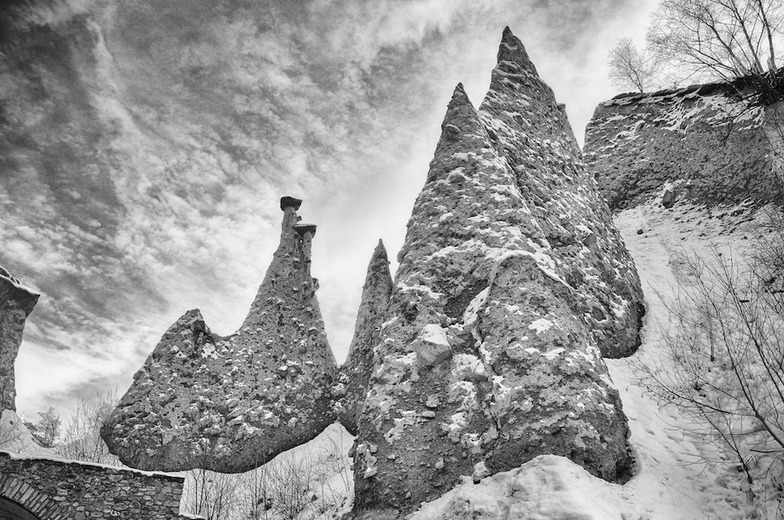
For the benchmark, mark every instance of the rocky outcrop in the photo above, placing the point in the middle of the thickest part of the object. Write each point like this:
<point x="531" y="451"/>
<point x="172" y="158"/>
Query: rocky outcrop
<point x="16" y="304"/>
<point x="355" y="373"/>
<point x="704" y="143"/>
<point x="231" y="403"/>
<point x="511" y="279"/>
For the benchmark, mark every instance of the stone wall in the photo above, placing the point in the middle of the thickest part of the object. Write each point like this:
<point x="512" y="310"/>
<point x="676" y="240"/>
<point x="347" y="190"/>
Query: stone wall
<point x="710" y="143"/>
<point x="57" y="490"/>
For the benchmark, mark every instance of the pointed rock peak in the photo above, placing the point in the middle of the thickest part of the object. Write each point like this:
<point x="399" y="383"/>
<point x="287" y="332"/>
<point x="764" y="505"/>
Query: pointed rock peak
<point x="512" y="51"/>
<point x="461" y="116"/>
<point x="356" y="372"/>
<point x="459" y="98"/>
<point x="379" y="253"/>
<point x="379" y="265"/>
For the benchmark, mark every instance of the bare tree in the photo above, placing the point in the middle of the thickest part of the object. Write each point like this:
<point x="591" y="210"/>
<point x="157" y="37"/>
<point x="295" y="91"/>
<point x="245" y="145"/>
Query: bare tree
<point x="211" y="494"/>
<point x="723" y="39"/>
<point x="725" y="362"/>
<point x="47" y="429"/>
<point x="631" y="67"/>
<point x="257" y="497"/>
<point x="301" y="484"/>
<point x="81" y="437"/>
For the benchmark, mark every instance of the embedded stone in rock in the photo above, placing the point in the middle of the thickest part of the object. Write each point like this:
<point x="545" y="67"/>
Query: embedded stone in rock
<point x="668" y="196"/>
<point x="355" y="373"/>
<point x="512" y="275"/>
<point x="16" y="304"/>
<point x="432" y="346"/>
<point x="232" y="403"/>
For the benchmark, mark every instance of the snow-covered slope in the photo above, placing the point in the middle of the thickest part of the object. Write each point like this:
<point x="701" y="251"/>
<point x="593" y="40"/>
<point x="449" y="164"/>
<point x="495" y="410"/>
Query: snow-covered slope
<point x="680" y="475"/>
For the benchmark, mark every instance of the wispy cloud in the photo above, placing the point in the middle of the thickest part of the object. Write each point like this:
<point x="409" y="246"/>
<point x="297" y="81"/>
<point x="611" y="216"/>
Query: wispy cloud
<point x="143" y="154"/>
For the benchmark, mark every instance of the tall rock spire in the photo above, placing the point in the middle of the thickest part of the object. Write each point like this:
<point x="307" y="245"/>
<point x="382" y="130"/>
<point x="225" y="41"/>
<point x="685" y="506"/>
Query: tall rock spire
<point x="485" y="360"/>
<point x="532" y="133"/>
<point x="230" y="404"/>
<point x="16" y="304"/>
<point x="355" y="373"/>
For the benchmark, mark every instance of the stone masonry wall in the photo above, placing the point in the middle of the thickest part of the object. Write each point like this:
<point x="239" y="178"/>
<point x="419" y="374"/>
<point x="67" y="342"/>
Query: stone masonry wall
<point x="57" y="490"/>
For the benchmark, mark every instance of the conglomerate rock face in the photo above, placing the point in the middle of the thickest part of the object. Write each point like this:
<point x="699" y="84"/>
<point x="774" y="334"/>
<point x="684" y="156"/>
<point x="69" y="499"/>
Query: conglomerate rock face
<point x="355" y="372"/>
<point x="16" y="304"/>
<point x="232" y="403"/>
<point x="511" y="279"/>
<point x="704" y="143"/>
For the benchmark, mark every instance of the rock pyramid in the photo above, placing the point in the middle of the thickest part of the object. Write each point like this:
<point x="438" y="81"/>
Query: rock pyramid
<point x="16" y="303"/>
<point x="355" y="373"/>
<point x="512" y="283"/>
<point x="231" y="403"/>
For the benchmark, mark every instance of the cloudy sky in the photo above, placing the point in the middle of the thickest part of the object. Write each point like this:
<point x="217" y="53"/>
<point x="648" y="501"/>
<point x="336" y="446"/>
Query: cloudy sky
<point x="144" y="146"/>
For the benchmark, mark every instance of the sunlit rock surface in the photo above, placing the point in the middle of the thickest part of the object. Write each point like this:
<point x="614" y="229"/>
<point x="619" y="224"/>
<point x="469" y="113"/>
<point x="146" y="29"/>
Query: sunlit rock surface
<point x="16" y="304"/>
<point x="232" y="403"/>
<point x="704" y="143"/>
<point x="511" y="279"/>
<point x="355" y="373"/>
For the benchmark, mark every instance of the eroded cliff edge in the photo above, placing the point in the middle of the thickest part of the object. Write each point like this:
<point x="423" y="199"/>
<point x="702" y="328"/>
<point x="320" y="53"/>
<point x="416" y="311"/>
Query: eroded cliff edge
<point x="716" y="143"/>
